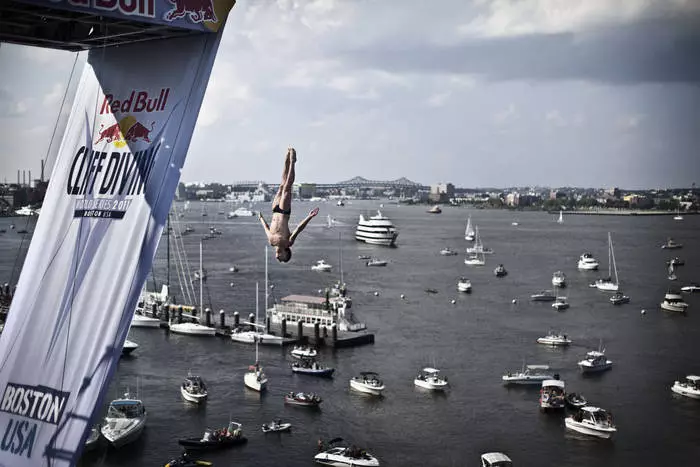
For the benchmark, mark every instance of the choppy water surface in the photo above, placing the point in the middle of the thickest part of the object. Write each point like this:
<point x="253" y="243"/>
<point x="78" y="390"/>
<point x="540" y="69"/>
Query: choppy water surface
<point x="473" y="341"/>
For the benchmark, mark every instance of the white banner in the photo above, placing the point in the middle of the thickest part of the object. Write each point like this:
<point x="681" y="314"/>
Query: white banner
<point x="110" y="192"/>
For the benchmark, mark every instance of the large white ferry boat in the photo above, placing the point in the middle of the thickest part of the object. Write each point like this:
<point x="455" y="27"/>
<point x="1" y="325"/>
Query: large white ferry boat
<point x="377" y="230"/>
<point x="326" y="311"/>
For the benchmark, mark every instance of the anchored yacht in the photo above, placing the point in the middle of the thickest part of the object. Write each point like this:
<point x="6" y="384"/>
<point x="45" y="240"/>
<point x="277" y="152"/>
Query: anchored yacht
<point x="595" y="361"/>
<point x="587" y="262"/>
<point x="592" y="421"/>
<point x="673" y="301"/>
<point x="430" y="378"/>
<point x="688" y="388"/>
<point x="125" y="421"/>
<point x="559" y="279"/>
<point x="368" y="382"/>
<point x="343" y="456"/>
<point x="377" y="230"/>
<point x="554" y="339"/>
<point x="529" y="374"/>
<point x="193" y="389"/>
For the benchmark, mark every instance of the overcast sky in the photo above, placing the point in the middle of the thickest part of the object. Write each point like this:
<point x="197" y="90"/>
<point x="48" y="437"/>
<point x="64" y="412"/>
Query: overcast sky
<point x="480" y="93"/>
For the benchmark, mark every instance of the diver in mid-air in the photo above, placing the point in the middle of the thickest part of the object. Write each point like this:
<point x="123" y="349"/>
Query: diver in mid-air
<point x="278" y="231"/>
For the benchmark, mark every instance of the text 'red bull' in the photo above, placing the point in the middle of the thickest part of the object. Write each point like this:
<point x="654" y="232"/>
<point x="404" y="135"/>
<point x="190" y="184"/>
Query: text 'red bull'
<point x="128" y="7"/>
<point x="136" y="102"/>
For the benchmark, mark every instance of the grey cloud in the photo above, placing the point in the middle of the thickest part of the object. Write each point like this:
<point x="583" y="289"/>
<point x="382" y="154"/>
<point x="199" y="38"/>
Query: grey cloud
<point x="661" y="50"/>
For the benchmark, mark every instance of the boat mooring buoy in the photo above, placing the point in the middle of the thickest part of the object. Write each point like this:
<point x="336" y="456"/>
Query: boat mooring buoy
<point x="515" y="300"/>
<point x="402" y="296"/>
<point x="231" y="284"/>
<point x="453" y="301"/>
<point x="376" y="294"/>
<point x="644" y="312"/>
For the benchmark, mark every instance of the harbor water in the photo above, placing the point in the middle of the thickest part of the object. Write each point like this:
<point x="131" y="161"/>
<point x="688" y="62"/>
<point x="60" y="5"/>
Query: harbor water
<point x="473" y="341"/>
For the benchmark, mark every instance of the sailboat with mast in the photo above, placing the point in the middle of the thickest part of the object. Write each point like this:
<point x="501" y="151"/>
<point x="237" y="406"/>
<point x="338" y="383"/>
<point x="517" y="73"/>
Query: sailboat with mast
<point x="469" y="233"/>
<point x="671" y="272"/>
<point x="255" y="378"/>
<point x="606" y="284"/>
<point x="194" y="329"/>
<point x="476" y="255"/>
<point x="258" y="334"/>
<point x="561" y="217"/>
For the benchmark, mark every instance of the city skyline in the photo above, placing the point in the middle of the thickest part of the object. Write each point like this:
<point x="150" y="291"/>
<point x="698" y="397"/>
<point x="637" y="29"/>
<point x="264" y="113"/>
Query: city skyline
<point x="484" y="94"/>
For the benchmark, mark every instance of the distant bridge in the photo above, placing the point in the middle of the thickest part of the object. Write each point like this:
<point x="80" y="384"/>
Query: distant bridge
<point x="355" y="182"/>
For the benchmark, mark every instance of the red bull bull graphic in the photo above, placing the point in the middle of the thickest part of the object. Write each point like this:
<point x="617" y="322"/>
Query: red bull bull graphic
<point x="201" y="15"/>
<point x="198" y="10"/>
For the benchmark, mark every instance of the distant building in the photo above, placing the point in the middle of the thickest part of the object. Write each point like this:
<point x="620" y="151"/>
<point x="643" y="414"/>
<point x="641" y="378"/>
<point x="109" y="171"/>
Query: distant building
<point x="441" y="192"/>
<point x="513" y="199"/>
<point x="307" y="190"/>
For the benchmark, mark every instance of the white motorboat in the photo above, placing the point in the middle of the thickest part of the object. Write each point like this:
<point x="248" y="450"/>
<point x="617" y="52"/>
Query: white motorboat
<point x="500" y="271"/>
<point x="368" y="382"/>
<point x="255" y="378"/>
<point x="561" y="217"/>
<point x="125" y="421"/>
<point x="276" y="426"/>
<point x="554" y="339"/>
<point x="241" y="212"/>
<point x="303" y="352"/>
<point x="311" y="367"/>
<point x="606" y="284"/>
<point x="560" y="303"/>
<point x="25" y="211"/>
<point x="592" y="421"/>
<point x="678" y="216"/>
<point x="688" y="388"/>
<point x="529" y="374"/>
<point x="430" y="378"/>
<point x="192" y="329"/>
<point x="469" y="233"/>
<point x="194" y="389"/>
<point x="377" y="230"/>
<point x="673" y="301"/>
<point x="251" y="337"/>
<point x="129" y="346"/>
<point x="343" y="456"/>
<point x="559" y="279"/>
<point x="435" y="210"/>
<point x="340" y="203"/>
<point x="464" y="285"/>
<point x="553" y="394"/>
<point x="448" y="252"/>
<point x="543" y="296"/>
<point x="143" y="321"/>
<point x="374" y="262"/>
<point x="672" y="272"/>
<point x="495" y="459"/>
<point x="692" y="288"/>
<point x="595" y="361"/>
<point x="475" y="259"/>
<point x="619" y="298"/>
<point x="671" y="245"/>
<point x="587" y="262"/>
<point x="321" y="266"/>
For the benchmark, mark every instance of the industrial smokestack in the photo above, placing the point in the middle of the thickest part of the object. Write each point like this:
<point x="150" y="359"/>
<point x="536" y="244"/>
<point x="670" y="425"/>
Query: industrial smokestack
<point x="24" y="178"/>
<point x="17" y="176"/>
<point x="30" y="179"/>
<point x="42" y="171"/>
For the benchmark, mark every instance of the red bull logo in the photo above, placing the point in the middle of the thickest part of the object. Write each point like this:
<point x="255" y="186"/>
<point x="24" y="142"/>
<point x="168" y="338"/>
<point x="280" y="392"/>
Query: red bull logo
<point x="138" y="101"/>
<point x="127" y="130"/>
<point x="198" y="10"/>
